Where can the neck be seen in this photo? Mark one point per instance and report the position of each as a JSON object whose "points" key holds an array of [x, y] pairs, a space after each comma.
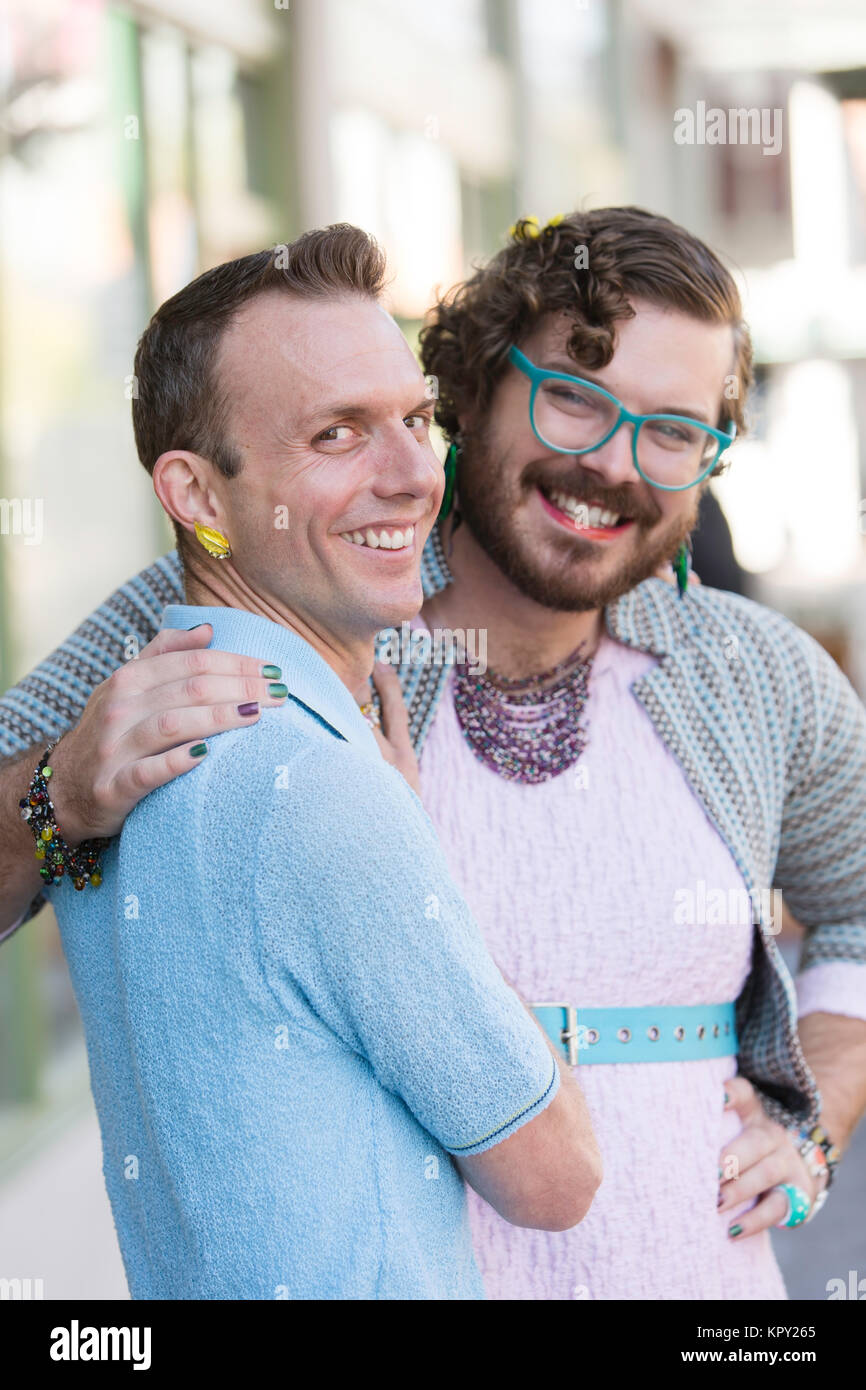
{"points": [[217, 583], [523, 637]]}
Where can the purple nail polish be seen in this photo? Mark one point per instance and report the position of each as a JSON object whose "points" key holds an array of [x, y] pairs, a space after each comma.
{"points": [[252, 707]]}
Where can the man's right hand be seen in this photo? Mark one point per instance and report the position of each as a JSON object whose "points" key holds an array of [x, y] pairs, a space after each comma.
{"points": [[135, 733]]}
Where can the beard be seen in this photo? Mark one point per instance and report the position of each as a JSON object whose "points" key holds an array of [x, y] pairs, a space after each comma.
{"points": [[563, 580]]}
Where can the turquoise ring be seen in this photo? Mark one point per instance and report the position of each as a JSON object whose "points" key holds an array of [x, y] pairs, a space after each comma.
{"points": [[799, 1204]]}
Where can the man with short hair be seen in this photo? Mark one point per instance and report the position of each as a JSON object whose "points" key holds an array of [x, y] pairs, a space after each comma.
{"points": [[640, 767], [294, 1066]]}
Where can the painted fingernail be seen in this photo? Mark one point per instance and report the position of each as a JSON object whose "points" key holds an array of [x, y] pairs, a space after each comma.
{"points": [[277, 692], [720, 1199], [251, 707], [727, 1099], [198, 750], [194, 626], [721, 1174], [271, 673], [735, 1231]]}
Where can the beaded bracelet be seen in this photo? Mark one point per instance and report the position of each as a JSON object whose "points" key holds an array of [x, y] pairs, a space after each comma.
{"points": [[818, 1140], [37, 808]]}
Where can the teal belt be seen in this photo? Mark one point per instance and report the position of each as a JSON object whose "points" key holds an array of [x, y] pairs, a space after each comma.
{"points": [[669, 1034]]}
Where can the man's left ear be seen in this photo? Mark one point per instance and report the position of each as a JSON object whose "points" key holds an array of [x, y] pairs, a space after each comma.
{"points": [[182, 481]]}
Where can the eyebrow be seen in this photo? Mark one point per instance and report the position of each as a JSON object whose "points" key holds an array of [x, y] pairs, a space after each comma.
{"points": [[361, 409], [554, 365]]}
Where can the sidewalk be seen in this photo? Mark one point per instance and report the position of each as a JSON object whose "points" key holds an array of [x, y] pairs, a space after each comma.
{"points": [[55, 1219]]}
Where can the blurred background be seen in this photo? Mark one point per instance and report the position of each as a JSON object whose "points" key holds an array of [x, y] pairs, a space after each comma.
{"points": [[143, 142]]}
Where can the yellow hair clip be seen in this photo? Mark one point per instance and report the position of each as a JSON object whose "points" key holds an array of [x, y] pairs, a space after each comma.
{"points": [[528, 226]]}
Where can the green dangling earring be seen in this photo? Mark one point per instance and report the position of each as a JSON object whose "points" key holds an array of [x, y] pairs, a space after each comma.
{"points": [[450, 480], [681, 565]]}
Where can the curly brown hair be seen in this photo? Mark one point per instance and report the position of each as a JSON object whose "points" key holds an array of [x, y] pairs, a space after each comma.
{"points": [[629, 253]]}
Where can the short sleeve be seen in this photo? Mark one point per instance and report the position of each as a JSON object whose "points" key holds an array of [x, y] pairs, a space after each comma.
{"points": [[356, 908]]}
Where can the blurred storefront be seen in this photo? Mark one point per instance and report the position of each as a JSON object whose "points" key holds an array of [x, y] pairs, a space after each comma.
{"points": [[138, 144]]}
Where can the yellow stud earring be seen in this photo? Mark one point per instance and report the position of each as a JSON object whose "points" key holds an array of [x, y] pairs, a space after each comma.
{"points": [[213, 541]]}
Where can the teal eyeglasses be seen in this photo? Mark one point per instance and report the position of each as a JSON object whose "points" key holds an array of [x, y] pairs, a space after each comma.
{"points": [[574, 416]]}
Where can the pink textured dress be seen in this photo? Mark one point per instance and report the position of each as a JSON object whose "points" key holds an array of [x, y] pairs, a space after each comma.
{"points": [[575, 885]]}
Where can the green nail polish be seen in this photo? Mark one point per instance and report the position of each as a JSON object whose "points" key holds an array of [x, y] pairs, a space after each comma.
{"points": [[198, 750], [735, 1230], [277, 691], [271, 673], [727, 1099]]}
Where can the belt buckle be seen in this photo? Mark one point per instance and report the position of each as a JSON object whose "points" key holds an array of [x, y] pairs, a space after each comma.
{"points": [[568, 1035]]}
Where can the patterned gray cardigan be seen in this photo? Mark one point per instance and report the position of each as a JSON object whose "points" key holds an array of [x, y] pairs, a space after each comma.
{"points": [[770, 736]]}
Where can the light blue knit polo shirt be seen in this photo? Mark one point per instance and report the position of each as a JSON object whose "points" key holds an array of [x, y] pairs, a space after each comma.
{"points": [[291, 1017]]}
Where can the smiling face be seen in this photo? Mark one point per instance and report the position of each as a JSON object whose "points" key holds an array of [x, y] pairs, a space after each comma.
{"points": [[573, 532], [340, 484]]}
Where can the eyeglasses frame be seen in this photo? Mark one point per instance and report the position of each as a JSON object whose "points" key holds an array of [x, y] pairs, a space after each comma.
{"points": [[538, 374]]}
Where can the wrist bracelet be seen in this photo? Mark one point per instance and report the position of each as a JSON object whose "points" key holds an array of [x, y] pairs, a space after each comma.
{"points": [[55, 856], [832, 1154], [819, 1153]]}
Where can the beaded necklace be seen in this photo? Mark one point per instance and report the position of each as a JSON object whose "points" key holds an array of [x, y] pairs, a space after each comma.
{"points": [[526, 730]]}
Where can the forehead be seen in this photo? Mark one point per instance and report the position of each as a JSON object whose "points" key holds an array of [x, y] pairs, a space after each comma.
{"points": [[292, 354], [667, 350]]}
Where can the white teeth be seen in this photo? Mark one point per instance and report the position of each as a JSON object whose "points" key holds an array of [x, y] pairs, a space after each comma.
{"points": [[581, 513], [381, 540]]}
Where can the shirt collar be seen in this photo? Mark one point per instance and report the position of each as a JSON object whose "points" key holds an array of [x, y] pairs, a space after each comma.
{"points": [[307, 676]]}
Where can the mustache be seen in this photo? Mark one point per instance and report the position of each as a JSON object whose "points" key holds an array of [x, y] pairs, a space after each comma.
{"points": [[585, 487]]}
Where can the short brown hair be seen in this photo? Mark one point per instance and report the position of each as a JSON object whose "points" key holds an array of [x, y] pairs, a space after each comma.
{"points": [[178, 402], [629, 253]]}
